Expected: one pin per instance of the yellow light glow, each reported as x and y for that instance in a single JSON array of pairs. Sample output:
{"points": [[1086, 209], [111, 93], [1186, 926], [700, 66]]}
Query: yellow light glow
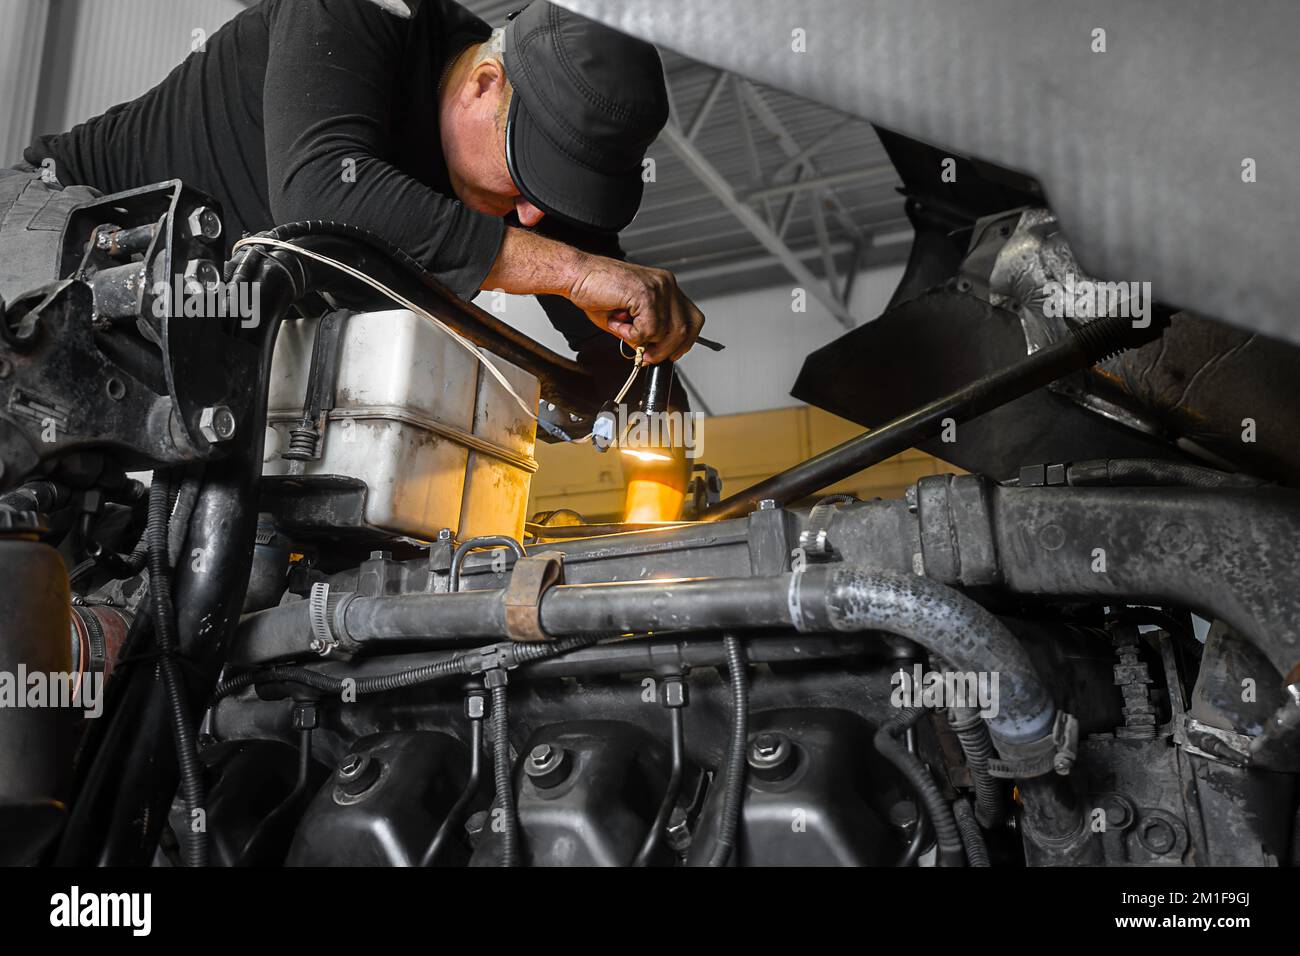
{"points": [[650, 500], [642, 454]]}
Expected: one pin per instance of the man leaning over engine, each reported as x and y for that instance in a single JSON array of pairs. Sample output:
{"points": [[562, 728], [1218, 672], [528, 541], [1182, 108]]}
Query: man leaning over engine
{"points": [[505, 159]]}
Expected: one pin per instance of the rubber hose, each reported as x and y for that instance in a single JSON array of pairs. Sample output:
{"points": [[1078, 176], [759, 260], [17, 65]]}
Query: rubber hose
{"points": [[1153, 472], [977, 745], [735, 767], [187, 758], [502, 777], [918, 777], [977, 854]]}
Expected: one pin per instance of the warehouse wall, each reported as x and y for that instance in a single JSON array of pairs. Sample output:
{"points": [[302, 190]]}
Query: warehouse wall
{"points": [[743, 448], [22, 33], [64, 61]]}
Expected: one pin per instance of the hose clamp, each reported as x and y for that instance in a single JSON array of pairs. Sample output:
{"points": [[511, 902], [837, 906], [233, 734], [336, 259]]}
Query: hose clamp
{"points": [[325, 611], [1055, 752]]}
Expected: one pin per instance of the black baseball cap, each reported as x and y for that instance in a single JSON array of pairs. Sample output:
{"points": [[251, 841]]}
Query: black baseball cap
{"points": [[588, 101]]}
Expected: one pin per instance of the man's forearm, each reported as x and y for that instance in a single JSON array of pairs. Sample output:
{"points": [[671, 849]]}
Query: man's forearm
{"points": [[529, 264]]}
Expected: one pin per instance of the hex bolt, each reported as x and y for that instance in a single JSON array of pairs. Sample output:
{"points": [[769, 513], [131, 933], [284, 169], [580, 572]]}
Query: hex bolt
{"points": [[204, 223], [357, 774], [217, 423], [201, 274], [771, 756], [547, 765], [767, 504]]}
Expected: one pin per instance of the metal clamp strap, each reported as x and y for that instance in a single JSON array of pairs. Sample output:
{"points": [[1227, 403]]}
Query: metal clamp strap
{"points": [[814, 539], [531, 578]]}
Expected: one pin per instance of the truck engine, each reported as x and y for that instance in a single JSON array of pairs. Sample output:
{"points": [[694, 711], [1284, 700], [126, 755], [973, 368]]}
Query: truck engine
{"points": [[264, 527]]}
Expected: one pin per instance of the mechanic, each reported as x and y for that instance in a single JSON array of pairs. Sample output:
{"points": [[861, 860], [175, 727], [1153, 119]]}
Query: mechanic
{"points": [[504, 159]]}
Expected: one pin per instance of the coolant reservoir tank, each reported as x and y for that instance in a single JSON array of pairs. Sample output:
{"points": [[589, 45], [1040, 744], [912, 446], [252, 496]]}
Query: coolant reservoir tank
{"points": [[412, 436]]}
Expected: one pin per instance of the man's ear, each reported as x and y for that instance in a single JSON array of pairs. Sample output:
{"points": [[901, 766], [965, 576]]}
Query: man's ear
{"points": [[486, 76]]}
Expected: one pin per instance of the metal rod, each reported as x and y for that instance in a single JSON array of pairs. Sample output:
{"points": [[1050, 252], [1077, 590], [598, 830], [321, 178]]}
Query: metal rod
{"points": [[1084, 346]]}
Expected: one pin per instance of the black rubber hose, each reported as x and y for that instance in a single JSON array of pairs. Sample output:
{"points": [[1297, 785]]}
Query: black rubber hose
{"points": [[656, 833], [191, 773], [735, 766], [918, 777], [977, 745], [977, 854], [1153, 472], [502, 777]]}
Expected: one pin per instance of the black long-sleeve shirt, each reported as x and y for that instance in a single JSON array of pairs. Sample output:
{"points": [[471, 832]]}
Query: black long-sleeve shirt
{"points": [[313, 109]]}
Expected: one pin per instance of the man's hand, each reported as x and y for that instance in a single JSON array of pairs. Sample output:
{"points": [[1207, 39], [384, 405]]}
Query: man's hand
{"points": [[640, 305]]}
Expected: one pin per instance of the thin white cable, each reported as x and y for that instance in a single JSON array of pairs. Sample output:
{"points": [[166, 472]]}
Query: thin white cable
{"points": [[408, 304]]}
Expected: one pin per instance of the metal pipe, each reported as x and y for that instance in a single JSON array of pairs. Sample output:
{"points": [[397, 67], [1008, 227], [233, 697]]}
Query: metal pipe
{"points": [[481, 542], [1084, 346], [820, 600]]}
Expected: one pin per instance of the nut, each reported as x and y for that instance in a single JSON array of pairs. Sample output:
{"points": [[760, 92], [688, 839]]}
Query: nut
{"points": [[217, 423]]}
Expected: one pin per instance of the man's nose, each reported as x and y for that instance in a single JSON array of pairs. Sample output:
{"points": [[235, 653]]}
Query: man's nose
{"points": [[529, 215]]}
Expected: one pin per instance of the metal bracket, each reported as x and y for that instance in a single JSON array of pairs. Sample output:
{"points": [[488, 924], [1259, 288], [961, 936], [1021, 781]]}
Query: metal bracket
{"points": [[531, 578]]}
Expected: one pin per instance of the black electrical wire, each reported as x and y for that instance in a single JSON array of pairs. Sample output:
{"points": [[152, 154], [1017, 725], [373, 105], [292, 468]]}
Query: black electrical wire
{"points": [[976, 743], [972, 840], [501, 773], [950, 851], [458, 664], [734, 772], [194, 838]]}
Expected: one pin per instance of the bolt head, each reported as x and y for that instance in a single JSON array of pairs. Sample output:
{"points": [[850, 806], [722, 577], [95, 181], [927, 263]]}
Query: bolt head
{"points": [[767, 504], [547, 765], [201, 274], [204, 223], [771, 756], [217, 423]]}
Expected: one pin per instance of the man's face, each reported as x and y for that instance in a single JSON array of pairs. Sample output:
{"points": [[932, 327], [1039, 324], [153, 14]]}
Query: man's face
{"points": [[473, 126]]}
